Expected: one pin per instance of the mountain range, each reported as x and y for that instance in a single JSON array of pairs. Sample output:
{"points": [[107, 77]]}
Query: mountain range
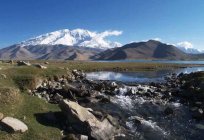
{"points": [[82, 44], [77, 37]]}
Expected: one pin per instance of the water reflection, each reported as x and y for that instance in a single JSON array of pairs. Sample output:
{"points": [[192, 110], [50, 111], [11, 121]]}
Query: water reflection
{"points": [[144, 76], [157, 61]]}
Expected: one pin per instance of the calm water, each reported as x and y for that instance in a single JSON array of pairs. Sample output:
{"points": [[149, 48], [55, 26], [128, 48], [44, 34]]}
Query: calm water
{"points": [[158, 61], [141, 77]]}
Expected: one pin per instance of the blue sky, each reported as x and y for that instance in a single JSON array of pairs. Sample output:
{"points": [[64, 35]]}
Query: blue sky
{"points": [[173, 21]]}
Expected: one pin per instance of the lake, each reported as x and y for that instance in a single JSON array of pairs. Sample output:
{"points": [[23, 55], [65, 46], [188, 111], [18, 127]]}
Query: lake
{"points": [[141, 76], [158, 61]]}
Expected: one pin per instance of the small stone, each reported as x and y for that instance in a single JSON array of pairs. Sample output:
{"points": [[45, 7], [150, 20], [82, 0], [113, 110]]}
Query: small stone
{"points": [[83, 137], [113, 85], [41, 66]]}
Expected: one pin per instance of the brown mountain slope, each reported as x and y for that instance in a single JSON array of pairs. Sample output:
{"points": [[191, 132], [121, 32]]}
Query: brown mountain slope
{"points": [[61, 52], [143, 50]]}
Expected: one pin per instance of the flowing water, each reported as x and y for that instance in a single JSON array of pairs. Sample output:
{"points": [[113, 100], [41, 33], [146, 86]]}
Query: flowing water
{"points": [[154, 124]]}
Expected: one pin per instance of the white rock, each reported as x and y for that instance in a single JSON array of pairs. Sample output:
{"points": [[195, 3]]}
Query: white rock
{"points": [[41, 66], [14, 124], [83, 137]]}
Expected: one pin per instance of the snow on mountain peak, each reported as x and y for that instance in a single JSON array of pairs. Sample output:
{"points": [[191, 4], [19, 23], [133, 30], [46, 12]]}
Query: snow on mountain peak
{"points": [[76, 37], [187, 47]]}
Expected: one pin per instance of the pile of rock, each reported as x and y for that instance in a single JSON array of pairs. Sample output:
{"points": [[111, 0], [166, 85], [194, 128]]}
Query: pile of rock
{"points": [[74, 93], [74, 87]]}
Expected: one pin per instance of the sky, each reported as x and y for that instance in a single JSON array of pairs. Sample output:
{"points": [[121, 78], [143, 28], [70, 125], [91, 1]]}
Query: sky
{"points": [[171, 21]]}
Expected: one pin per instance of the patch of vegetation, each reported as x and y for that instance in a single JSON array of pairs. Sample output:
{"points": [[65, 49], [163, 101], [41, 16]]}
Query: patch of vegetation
{"points": [[16, 102]]}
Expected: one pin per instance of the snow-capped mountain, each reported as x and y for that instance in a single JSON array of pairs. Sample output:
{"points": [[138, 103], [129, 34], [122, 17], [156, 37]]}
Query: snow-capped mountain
{"points": [[187, 47], [77, 37], [190, 50]]}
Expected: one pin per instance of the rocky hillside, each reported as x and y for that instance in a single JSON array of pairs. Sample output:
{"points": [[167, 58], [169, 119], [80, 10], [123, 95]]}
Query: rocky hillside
{"points": [[143, 50]]}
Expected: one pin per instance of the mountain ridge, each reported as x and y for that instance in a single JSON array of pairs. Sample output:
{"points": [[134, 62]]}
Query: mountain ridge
{"points": [[76, 37], [60, 52], [143, 50]]}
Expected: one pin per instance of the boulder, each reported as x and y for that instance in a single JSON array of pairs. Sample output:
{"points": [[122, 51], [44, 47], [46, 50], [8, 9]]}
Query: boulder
{"points": [[11, 124], [84, 122], [23, 63], [40, 66], [1, 116]]}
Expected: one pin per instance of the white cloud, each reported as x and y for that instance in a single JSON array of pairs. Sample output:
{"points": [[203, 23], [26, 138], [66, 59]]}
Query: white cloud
{"points": [[185, 44], [109, 33], [99, 39]]}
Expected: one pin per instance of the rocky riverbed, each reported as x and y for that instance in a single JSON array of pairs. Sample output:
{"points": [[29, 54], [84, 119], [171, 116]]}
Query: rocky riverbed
{"points": [[94, 109]]}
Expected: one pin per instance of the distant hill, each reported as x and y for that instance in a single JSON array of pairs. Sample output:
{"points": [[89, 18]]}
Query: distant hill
{"points": [[62, 52], [143, 50]]}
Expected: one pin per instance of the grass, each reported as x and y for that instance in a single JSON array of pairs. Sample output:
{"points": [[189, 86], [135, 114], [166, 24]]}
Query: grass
{"points": [[15, 101], [107, 66], [27, 108]]}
